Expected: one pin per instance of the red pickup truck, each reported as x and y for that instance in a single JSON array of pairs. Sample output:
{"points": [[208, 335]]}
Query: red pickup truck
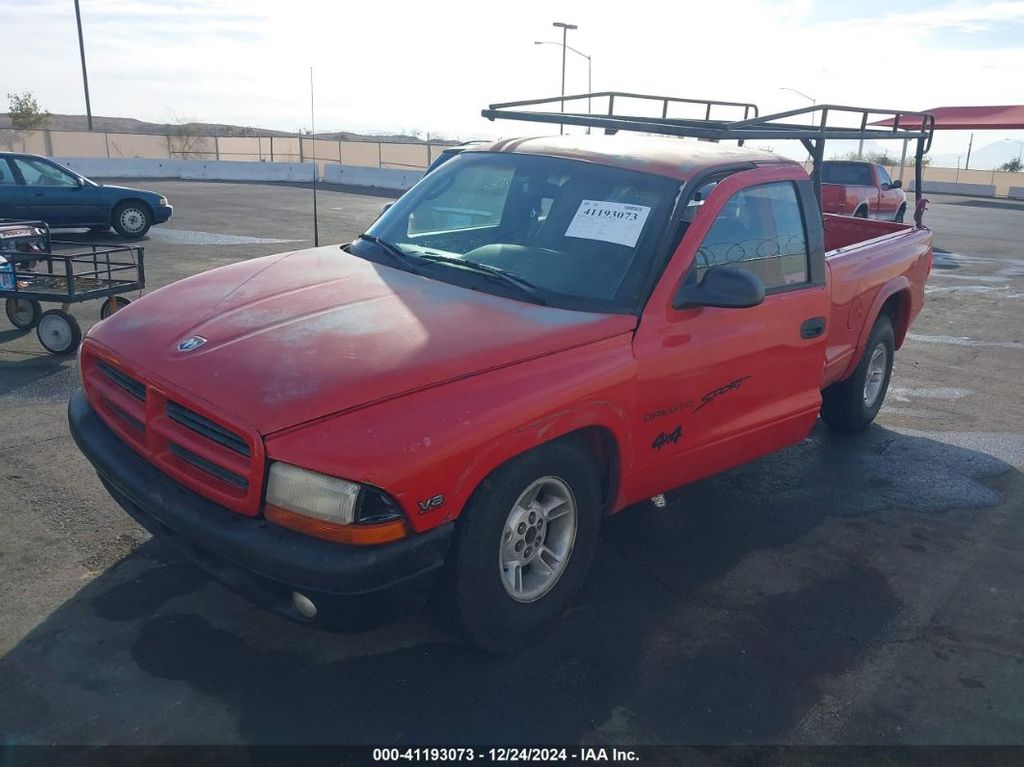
{"points": [[862, 190], [539, 334]]}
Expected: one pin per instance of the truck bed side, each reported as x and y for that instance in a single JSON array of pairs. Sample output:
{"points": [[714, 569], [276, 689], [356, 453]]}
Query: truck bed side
{"points": [[870, 265]]}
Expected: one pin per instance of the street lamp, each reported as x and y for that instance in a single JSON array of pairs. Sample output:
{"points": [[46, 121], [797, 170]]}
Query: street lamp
{"points": [[813, 101], [590, 71], [565, 32]]}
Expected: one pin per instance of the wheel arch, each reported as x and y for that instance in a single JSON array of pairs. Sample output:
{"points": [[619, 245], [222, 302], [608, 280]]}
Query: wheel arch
{"points": [[604, 446]]}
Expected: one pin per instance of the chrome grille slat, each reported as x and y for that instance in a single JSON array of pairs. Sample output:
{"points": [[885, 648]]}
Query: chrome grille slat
{"points": [[207, 428]]}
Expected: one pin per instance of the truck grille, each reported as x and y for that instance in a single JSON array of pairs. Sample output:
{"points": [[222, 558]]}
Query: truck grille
{"points": [[197, 423], [219, 461]]}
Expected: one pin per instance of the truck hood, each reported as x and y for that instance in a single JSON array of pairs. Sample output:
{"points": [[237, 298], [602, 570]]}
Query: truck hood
{"points": [[290, 338]]}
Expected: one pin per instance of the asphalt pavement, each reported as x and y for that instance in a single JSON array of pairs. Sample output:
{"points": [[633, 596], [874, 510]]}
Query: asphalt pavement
{"points": [[850, 589]]}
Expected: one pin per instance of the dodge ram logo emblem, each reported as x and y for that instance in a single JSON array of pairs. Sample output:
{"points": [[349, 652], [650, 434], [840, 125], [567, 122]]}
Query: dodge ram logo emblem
{"points": [[190, 343]]}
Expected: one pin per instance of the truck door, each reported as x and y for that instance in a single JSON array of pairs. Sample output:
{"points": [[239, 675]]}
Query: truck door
{"points": [[12, 194], [889, 199], [719, 386], [56, 196]]}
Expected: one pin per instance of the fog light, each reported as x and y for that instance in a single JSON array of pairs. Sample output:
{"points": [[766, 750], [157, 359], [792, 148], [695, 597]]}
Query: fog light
{"points": [[304, 605]]}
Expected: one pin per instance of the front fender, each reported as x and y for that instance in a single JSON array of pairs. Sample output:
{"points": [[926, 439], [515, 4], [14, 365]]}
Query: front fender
{"points": [[432, 448]]}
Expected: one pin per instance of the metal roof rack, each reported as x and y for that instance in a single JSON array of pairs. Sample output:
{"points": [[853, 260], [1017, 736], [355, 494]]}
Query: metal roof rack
{"points": [[809, 125]]}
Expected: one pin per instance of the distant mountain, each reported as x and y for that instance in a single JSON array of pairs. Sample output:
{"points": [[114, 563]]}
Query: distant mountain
{"points": [[988, 157], [131, 125]]}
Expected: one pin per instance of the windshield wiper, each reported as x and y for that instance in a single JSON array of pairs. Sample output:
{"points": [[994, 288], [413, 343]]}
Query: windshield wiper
{"points": [[407, 261], [523, 286]]}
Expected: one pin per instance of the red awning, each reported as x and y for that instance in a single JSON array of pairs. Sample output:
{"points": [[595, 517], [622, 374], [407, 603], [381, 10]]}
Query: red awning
{"points": [[973, 118]]}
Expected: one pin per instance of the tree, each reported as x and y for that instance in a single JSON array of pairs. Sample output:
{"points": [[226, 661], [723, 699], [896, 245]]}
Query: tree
{"points": [[185, 138], [1013, 166], [25, 112]]}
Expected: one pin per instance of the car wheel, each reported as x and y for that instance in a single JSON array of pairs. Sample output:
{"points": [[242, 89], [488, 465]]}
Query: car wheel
{"points": [[524, 544], [23, 314], [861, 212], [132, 219], [852, 405], [113, 304], [59, 332], [900, 214]]}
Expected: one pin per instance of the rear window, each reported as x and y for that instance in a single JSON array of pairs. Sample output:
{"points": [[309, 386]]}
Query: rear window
{"points": [[846, 173]]}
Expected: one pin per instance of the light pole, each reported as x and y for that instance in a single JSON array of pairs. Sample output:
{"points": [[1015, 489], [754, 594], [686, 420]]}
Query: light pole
{"points": [[565, 32], [814, 103], [85, 75], [590, 70]]}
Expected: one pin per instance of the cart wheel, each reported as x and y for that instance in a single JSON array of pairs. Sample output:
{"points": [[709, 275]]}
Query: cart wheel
{"points": [[59, 332], [23, 314], [113, 304]]}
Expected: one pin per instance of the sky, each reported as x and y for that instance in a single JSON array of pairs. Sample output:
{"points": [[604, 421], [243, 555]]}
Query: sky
{"points": [[431, 67]]}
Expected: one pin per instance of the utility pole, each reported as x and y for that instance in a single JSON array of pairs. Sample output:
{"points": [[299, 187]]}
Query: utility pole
{"points": [[85, 74], [590, 71], [967, 162], [565, 32]]}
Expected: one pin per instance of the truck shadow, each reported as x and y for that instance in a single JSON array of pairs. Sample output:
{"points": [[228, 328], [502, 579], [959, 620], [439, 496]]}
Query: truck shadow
{"points": [[683, 635]]}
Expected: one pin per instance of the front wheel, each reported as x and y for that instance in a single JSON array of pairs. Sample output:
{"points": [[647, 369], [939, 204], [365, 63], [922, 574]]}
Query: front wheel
{"points": [[852, 405], [524, 545], [59, 332], [132, 219]]}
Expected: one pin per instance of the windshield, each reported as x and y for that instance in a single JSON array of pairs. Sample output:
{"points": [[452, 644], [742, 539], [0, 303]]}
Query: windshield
{"points": [[574, 234]]}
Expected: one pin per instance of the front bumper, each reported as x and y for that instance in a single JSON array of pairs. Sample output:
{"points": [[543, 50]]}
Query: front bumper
{"points": [[162, 213], [352, 586]]}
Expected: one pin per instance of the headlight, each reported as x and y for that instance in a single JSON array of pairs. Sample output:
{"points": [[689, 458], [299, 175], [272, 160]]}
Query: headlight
{"points": [[331, 508], [163, 202]]}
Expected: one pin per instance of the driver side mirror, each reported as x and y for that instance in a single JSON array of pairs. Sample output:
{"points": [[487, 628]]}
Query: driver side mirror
{"points": [[897, 184], [723, 286]]}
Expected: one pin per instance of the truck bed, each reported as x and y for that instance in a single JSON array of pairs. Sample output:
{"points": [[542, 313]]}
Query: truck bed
{"points": [[868, 261]]}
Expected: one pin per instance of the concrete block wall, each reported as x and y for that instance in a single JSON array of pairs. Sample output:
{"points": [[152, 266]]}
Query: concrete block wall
{"points": [[952, 187], [376, 178], [1017, 192]]}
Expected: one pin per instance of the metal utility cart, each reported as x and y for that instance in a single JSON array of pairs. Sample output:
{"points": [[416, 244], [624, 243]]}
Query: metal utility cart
{"points": [[704, 119], [36, 269]]}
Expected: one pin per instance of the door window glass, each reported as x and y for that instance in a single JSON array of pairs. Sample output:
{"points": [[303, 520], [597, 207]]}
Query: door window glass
{"points": [[760, 229], [39, 173], [6, 174], [883, 177]]}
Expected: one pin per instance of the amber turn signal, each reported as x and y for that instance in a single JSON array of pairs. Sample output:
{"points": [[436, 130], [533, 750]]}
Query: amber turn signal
{"points": [[361, 535]]}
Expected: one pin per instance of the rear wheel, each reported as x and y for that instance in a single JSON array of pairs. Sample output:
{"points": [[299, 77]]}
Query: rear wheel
{"points": [[861, 212], [59, 332], [524, 545], [900, 214], [23, 314], [111, 305], [132, 219], [852, 405]]}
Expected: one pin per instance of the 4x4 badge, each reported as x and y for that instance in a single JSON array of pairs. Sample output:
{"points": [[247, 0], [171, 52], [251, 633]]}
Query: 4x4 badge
{"points": [[190, 343]]}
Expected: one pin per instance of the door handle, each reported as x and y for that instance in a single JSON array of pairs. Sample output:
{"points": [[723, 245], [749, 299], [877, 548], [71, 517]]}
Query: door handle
{"points": [[812, 328]]}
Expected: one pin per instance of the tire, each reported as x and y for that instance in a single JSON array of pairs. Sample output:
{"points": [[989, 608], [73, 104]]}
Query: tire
{"points": [[861, 212], [23, 314], [852, 405], [113, 304], [901, 214], [497, 520], [132, 219], [59, 332]]}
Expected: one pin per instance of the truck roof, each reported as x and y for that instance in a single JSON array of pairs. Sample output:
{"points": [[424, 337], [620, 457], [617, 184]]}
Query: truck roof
{"points": [[666, 156]]}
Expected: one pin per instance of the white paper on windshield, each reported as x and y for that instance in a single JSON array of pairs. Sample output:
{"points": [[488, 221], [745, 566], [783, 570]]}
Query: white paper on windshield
{"points": [[609, 222]]}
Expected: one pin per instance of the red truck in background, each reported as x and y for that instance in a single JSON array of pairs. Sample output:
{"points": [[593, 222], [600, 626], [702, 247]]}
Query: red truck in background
{"points": [[862, 190], [539, 334]]}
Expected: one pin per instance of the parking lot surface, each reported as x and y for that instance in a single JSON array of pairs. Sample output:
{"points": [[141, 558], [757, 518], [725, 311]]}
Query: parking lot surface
{"points": [[851, 589]]}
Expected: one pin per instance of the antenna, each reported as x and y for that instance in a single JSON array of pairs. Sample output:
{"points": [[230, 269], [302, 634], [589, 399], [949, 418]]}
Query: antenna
{"points": [[312, 132]]}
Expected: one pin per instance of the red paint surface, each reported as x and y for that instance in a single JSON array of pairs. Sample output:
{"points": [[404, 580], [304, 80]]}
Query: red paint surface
{"points": [[847, 198]]}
